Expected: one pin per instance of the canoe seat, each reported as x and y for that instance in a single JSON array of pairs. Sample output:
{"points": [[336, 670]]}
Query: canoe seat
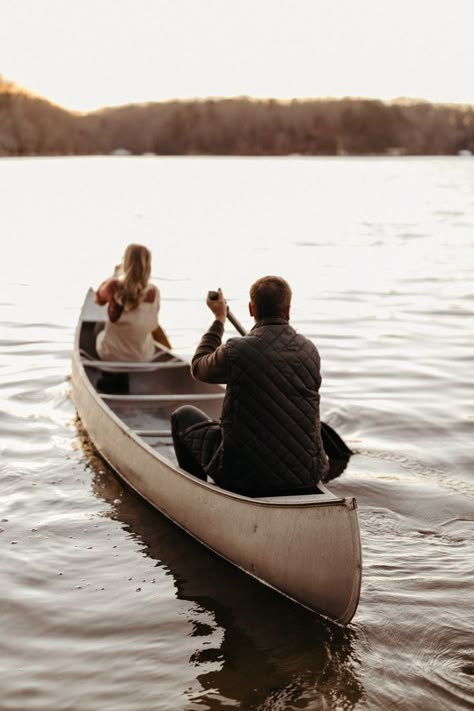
{"points": [[111, 366]]}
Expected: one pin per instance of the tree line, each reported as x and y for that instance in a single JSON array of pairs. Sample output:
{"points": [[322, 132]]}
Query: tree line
{"points": [[31, 125]]}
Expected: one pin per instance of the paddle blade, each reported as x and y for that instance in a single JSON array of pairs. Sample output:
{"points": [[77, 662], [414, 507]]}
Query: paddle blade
{"points": [[334, 445], [160, 336]]}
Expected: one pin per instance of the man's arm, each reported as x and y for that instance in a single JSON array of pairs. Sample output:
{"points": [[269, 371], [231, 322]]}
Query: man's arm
{"points": [[209, 362]]}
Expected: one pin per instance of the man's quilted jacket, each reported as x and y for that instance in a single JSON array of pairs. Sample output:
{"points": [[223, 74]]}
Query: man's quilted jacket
{"points": [[271, 436]]}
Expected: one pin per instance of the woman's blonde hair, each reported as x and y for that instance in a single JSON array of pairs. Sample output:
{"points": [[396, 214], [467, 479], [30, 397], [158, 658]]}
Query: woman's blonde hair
{"points": [[136, 270]]}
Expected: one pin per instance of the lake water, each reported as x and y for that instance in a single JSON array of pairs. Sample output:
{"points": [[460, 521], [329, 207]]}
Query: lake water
{"points": [[104, 604]]}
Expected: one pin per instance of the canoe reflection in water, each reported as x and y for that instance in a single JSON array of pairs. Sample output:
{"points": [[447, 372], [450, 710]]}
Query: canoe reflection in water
{"points": [[271, 653]]}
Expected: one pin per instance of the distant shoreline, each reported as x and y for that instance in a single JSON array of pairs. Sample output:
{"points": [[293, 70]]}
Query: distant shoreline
{"points": [[31, 125]]}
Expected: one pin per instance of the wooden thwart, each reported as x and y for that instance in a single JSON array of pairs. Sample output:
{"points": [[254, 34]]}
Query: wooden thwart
{"points": [[172, 397], [111, 366]]}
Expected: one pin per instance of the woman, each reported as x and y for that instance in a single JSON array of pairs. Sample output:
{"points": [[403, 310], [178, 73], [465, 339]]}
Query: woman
{"points": [[132, 307]]}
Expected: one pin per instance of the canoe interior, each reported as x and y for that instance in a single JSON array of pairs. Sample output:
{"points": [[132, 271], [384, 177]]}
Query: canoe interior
{"points": [[170, 376]]}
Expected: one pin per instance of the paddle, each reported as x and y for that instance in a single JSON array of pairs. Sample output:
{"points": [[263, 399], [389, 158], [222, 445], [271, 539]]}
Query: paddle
{"points": [[236, 324], [160, 336], [334, 445]]}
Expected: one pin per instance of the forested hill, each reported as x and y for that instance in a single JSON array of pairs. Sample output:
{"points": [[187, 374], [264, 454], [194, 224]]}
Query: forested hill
{"points": [[33, 126]]}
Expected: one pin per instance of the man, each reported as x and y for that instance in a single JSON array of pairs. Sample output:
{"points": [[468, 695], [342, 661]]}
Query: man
{"points": [[268, 441]]}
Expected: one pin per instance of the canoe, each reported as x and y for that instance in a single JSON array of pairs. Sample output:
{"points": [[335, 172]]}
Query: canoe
{"points": [[305, 547]]}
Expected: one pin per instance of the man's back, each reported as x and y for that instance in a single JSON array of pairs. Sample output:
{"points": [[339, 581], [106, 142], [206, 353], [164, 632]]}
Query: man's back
{"points": [[268, 441], [270, 419]]}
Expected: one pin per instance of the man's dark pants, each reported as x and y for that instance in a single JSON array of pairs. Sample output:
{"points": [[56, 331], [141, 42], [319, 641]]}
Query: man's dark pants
{"points": [[195, 437]]}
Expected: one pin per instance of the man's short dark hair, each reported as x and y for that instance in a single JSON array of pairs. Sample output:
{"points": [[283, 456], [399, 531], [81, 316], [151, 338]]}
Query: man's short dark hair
{"points": [[270, 296]]}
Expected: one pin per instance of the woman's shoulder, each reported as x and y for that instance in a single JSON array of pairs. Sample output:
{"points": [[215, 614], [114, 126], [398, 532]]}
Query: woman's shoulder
{"points": [[152, 293], [107, 290], [112, 283]]}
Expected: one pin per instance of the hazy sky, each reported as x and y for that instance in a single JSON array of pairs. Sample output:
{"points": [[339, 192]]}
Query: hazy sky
{"points": [[84, 54]]}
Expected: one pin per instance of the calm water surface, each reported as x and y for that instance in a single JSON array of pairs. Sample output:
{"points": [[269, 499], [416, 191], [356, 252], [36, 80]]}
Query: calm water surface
{"points": [[104, 604]]}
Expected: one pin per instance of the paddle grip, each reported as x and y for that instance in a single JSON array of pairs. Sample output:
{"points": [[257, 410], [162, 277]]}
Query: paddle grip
{"points": [[212, 295]]}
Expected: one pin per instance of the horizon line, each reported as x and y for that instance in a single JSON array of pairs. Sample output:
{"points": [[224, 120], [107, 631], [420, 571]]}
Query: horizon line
{"points": [[15, 87]]}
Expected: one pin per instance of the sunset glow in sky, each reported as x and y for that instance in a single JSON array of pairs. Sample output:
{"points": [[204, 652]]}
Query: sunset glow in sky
{"points": [[85, 54]]}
